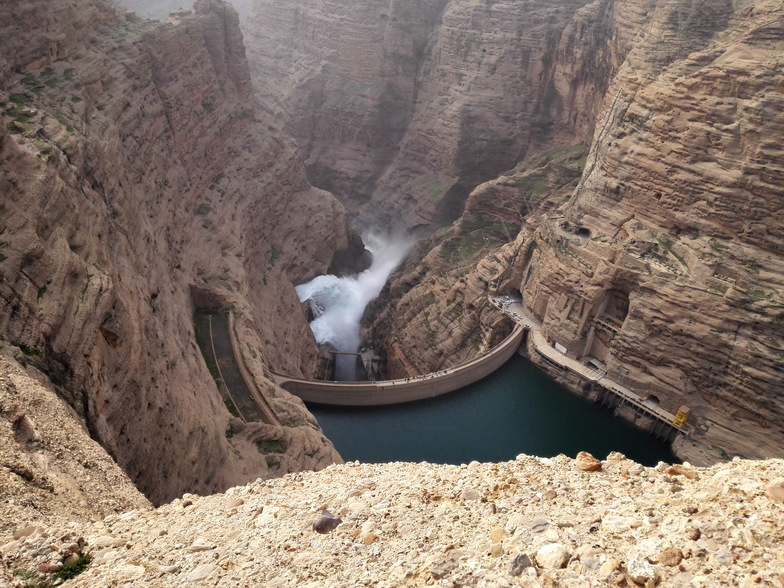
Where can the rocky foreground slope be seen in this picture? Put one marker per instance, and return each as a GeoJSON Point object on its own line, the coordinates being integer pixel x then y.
{"type": "Point", "coordinates": [531, 522]}
{"type": "Point", "coordinates": [50, 469]}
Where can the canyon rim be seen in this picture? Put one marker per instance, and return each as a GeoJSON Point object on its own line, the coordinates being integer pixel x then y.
{"type": "Point", "coordinates": [615, 163]}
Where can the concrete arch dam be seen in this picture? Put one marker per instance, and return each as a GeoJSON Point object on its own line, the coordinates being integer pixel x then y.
{"type": "Point", "coordinates": [406, 389]}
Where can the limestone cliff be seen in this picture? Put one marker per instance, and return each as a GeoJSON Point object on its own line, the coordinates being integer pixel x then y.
{"type": "Point", "coordinates": [133, 167]}
{"type": "Point", "coordinates": [435, 312]}
{"type": "Point", "coordinates": [666, 262]}
{"type": "Point", "coordinates": [402, 108]}
{"type": "Point", "coordinates": [160, 9]}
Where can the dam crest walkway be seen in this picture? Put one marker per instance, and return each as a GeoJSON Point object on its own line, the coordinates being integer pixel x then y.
{"type": "Point", "coordinates": [401, 390]}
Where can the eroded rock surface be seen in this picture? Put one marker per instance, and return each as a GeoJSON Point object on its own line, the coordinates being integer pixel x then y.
{"type": "Point", "coordinates": [134, 167]}
{"type": "Point", "coordinates": [530, 522]}
{"type": "Point", "coordinates": [402, 108]}
{"type": "Point", "coordinates": [50, 469]}
{"type": "Point", "coordinates": [666, 265]}
{"type": "Point", "coordinates": [435, 312]}
{"type": "Point", "coordinates": [665, 262]}
{"type": "Point", "coordinates": [161, 9]}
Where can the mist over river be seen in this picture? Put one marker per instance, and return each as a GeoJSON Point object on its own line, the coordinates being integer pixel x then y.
{"type": "Point", "coordinates": [338, 302]}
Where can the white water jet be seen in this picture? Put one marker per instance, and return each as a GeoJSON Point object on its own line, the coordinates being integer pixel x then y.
{"type": "Point", "coordinates": [340, 302]}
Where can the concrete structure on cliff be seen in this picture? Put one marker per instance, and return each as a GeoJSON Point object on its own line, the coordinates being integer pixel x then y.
{"type": "Point", "coordinates": [405, 389]}
{"type": "Point", "coordinates": [596, 385]}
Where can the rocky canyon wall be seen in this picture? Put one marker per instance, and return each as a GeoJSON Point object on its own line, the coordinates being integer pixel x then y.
{"type": "Point", "coordinates": [342, 77]}
{"type": "Point", "coordinates": [435, 312]}
{"type": "Point", "coordinates": [160, 9]}
{"type": "Point", "coordinates": [665, 261]}
{"type": "Point", "coordinates": [402, 108]}
{"type": "Point", "coordinates": [134, 167]}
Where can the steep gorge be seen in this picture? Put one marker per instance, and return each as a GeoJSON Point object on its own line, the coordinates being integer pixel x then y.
{"type": "Point", "coordinates": [643, 224]}
{"type": "Point", "coordinates": [401, 108]}
{"type": "Point", "coordinates": [665, 261]}
{"type": "Point", "coordinates": [633, 198]}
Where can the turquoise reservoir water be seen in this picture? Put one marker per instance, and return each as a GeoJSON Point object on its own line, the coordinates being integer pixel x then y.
{"type": "Point", "coordinates": [517, 409]}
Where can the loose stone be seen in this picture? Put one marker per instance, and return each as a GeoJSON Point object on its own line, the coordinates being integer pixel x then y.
{"type": "Point", "coordinates": [130, 571]}
{"type": "Point", "coordinates": [497, 534]}
{"type": "Point", "coordinates": [617, 579]}
{"type": "Point", "coordinates": [608, 567]}
{"type": "Point", "coordinates": [519, 564]}
{"type": "Point", "coordinates": [539, 525]}
{"type": "Point", "coordinates": [587, 462]}
{"type": "Point", "coordinates": [552, 556]}
{"type": "Point", "coordinates": [470, 494]}
{"type": "Point", "coordinates": [641, 571]}
{"type": "Point", "coordinates": [201, 573]}
{"type": "Point", "coordinates": [200, 545]}
{"type": "Point", "coordinates": [681, 470]}
{"type": "Point", "coordinates": [776, 491]}
{"type": "Point", "coordinates": [693, 533]}
{"type": "Point", "coordinates": [326, 522]}
{"type": "Point", "coordinates": [24, 532]}
{"type": "Point", "coordinates": [670, 556]}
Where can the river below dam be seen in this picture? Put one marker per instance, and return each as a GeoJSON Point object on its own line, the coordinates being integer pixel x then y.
{"type": "Point", "coordinates": [517, 409]}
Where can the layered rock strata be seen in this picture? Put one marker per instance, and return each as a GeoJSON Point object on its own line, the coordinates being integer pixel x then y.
{"type": "Point", "coordinates": [134, 167]}
{"type": "Point", "coordinates": [402, 108]}
{"type": "Point", "coordinates": [667, 263]}
{"type": "Point", "coordinates": [665, 266]}
{"type": "Point", "coordinates": [161, 9]}
{"type": "Point", "coordinates": [435, 313]}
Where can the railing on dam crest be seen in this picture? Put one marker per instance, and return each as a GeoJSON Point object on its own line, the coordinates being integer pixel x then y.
{"type": "Point", "coordinates": [405, 389]}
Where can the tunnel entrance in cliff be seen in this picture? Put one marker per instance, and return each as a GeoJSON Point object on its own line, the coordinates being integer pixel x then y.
{"type": "Point", "coordinates": [584, 234]}
{"type": "Point", "coordinates": [613, 308]}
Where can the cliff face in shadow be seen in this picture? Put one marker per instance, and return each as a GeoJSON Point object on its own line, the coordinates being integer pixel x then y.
{"type": "Point", "coordinates": [135, 167]}
{"type": "Point", "coordinates": [401, 108]}
{"type": "Point", "coordinates": [663, 256]}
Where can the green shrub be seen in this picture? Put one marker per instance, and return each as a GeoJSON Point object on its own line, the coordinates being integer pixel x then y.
{"type": "Point", "coordinates": [272, 445]}
{"type": "Point", "coordinates": [30, 351]}
{"type": "Point", "coordinates": [19, 99]}
{"type": "Point", "coordinates": [71, 570]}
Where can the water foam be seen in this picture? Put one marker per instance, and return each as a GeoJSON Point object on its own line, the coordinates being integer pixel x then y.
{"type": "Point", "coordinates": [340, 302]}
